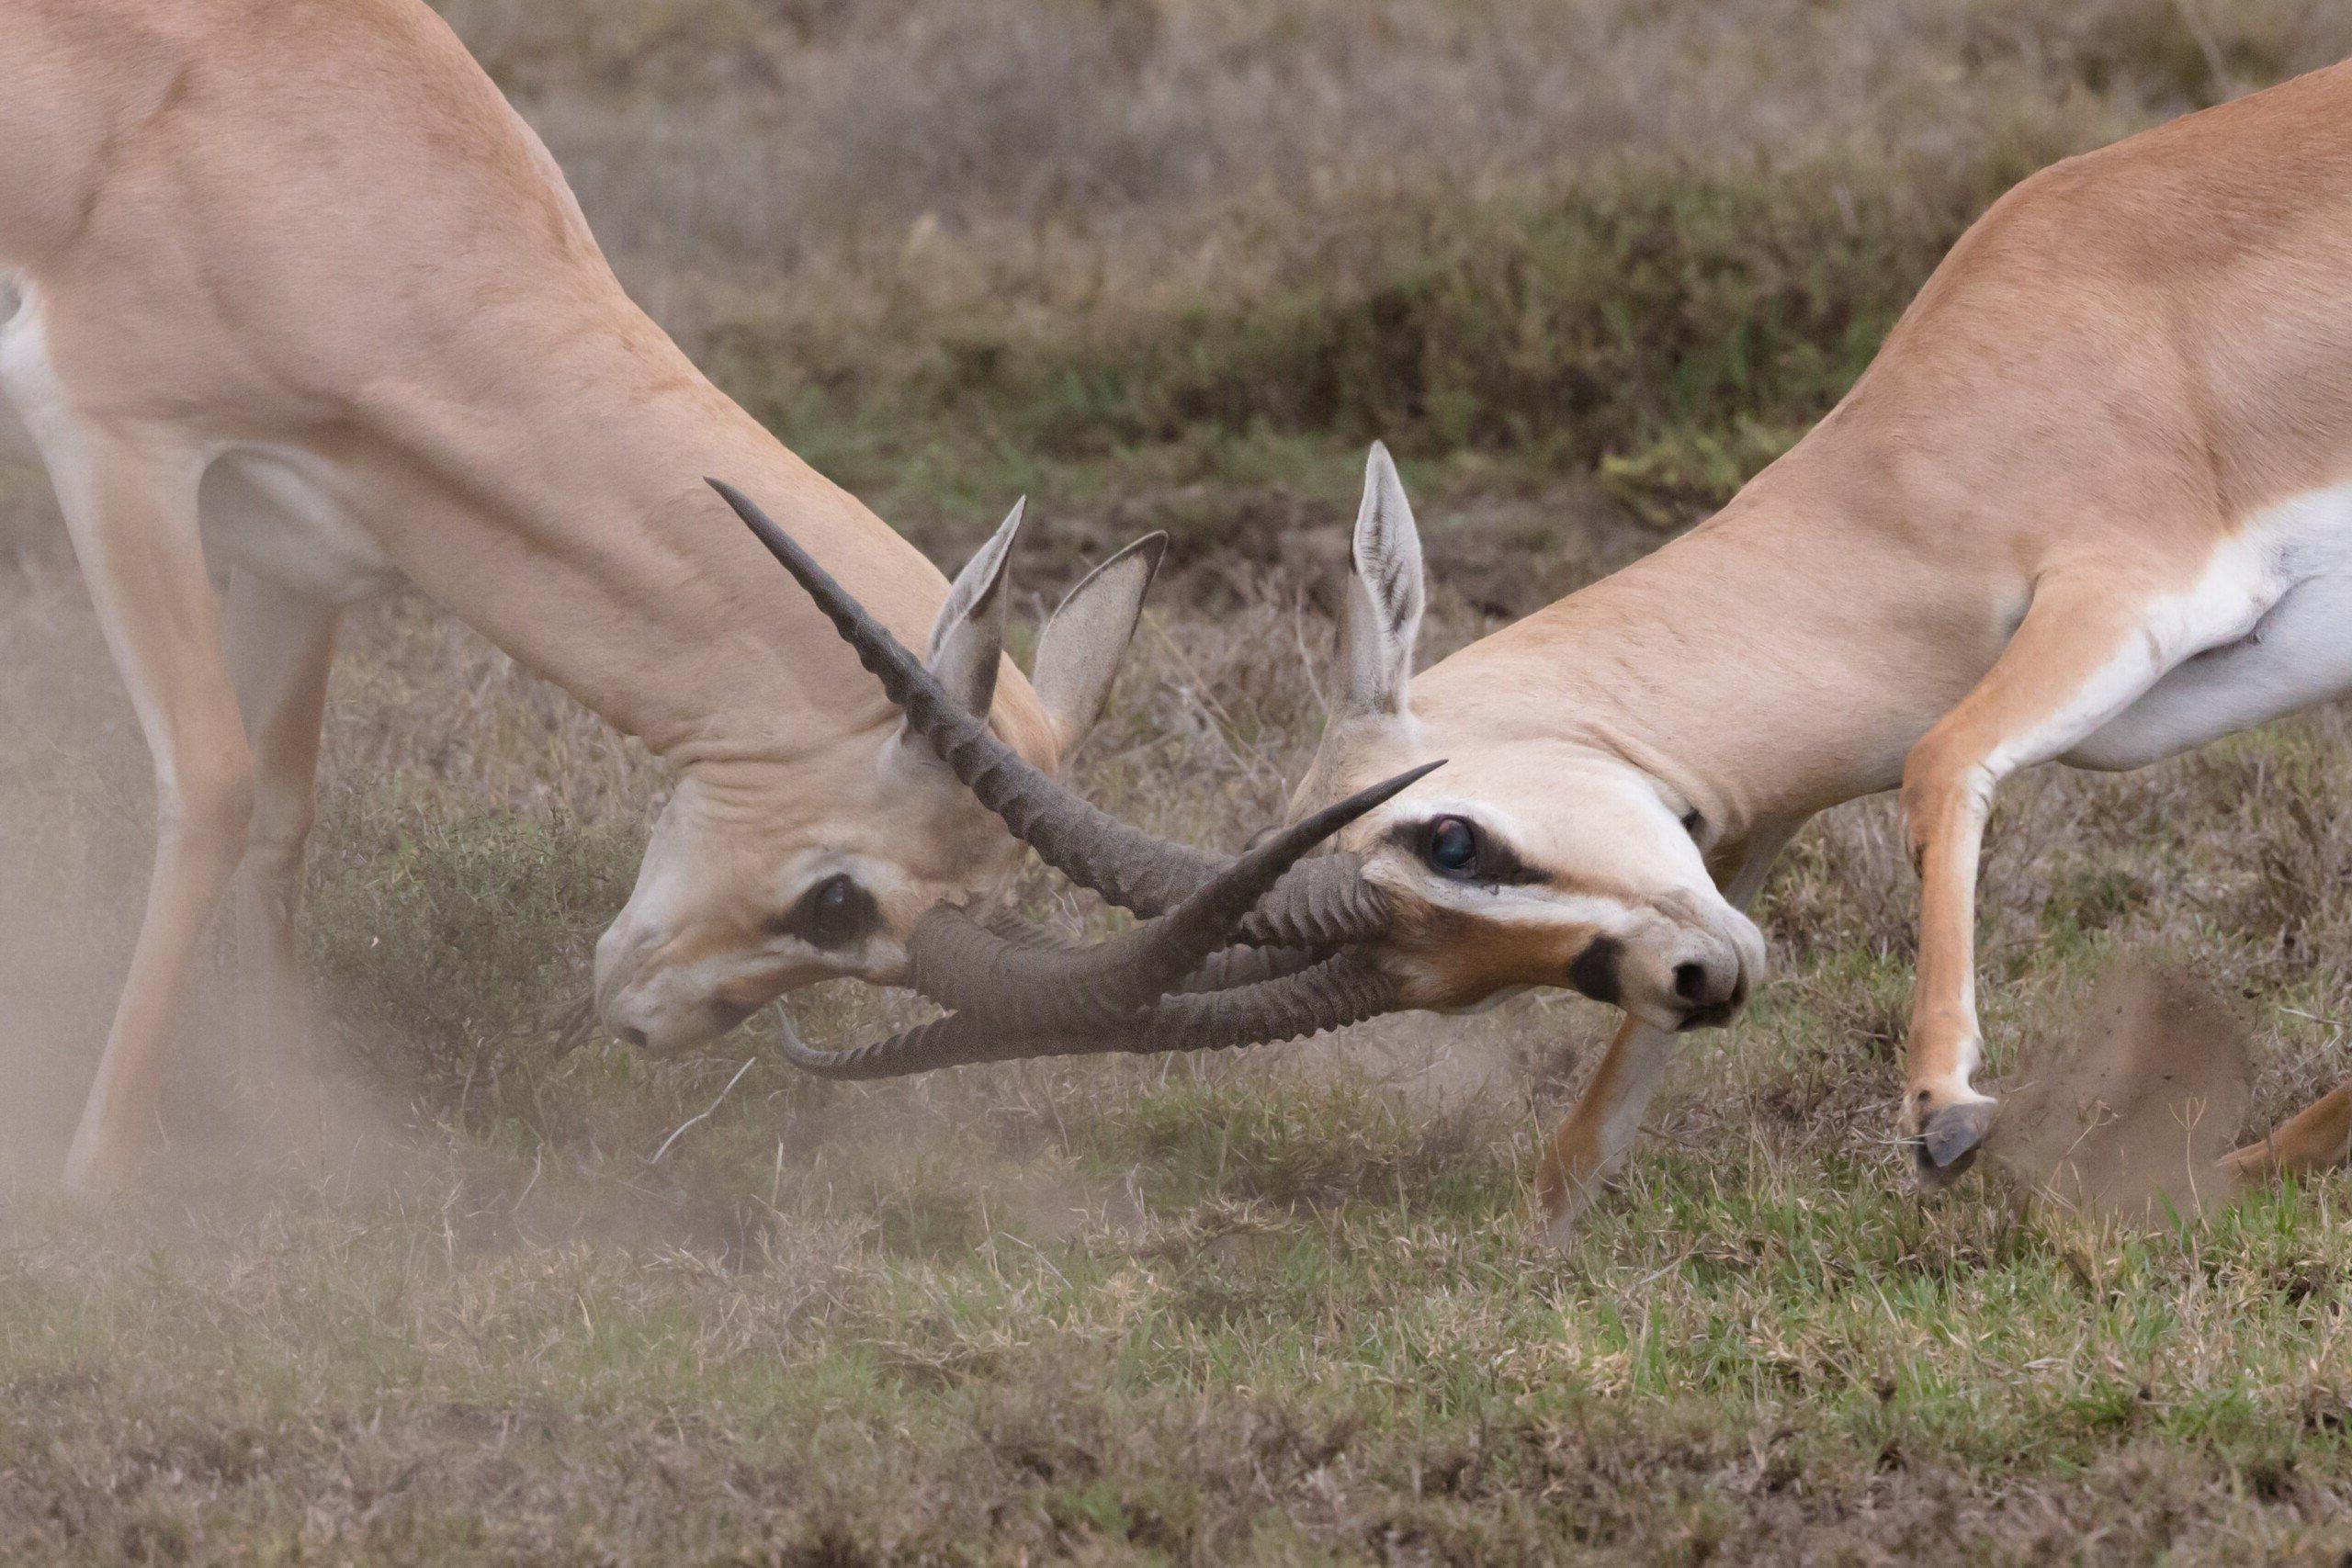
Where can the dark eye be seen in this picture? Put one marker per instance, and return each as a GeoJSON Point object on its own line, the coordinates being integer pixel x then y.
{"type": "Point", "coordinates": [1453, 846]}
{"type": "Point", "coordinates": [834, 913]}
{"type": "Point", "coordinates": [1693, 824]}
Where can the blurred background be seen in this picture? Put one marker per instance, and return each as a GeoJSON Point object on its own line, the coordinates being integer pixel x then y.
{"type": "Point", "coordinates": [1111, 251]}
{"type": "Point", "coordinates": [1157, 264]}
{"type": "Point", "coordinates": [1173, 263]}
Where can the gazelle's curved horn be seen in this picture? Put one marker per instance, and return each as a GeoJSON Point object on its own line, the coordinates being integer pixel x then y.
{"type": "Point", "coordinates": [1321, 903]}
{"type": "Point", "coordinates": [1029, 987]}
{"type": "Point", "coordinates": [1328, 994]}
{"type": "Point", "coordinates": [1245, 966]}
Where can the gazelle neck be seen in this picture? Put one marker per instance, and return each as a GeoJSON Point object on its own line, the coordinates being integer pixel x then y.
{"type": "Point", "coordinates": [1745, 664]}
{"type": "Point", "coordinates": [596, 555]}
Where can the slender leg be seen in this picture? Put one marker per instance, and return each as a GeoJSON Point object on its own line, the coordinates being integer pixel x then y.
{"type": "Point", "coordinates": [2316, 1138]}
{"type": "Point", "coordinates": [1592, 1144]}
{"type": "Point", "coordinates": [131, 506]}
{"type": "Point", "coordinates": [2082, 655]}
{"type": "Point", "coordinates": [281, 645]}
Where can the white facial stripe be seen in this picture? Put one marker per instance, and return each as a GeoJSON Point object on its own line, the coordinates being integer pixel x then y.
{"type": "Point", "coordinates": [1534, 903]}
{"type": "Point", "coordinates": [1426, 809]}
{"type": "Point", "coordinates": [1421, 812]}
{"type": "Point", "coordinates": [692, 984]}
{"type": "Point", "coordinates": [1530, 904]}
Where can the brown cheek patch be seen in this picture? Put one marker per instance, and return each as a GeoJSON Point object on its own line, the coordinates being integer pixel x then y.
{"type": "Point", "coordinates": [724, 939]}
{"type": "Point", "coordinates": [748, 996]}
{"type": "Point", "coordinates": [1458, 960]}
{"type": "Point", "coordinates": [906, 905]}
{"type": "Point", "coordinates": [707, 940]}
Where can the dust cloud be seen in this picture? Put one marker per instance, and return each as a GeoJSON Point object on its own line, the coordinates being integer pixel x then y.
{"type": "Point", "coordinates": [2129, 1121]}
{"type": "Point", "coordinates": [76, 838]}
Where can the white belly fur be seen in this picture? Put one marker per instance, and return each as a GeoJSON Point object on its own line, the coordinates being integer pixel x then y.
{"type": "Point", "coordinates": [272, 510]}
{"type": "Point", "coordinates": [2298, 653]}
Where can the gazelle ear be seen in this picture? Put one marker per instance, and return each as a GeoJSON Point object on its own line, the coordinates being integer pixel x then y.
{"type": "Point", "coordinates": [1382, 623]}
{"type": "Point", "coordinates": [967, 640]}
{"type": "Point", "coordinates": [1079, 654]}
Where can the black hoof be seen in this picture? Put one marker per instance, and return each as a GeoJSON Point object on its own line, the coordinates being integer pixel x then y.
{"type": "Point", "coordinates": [1947, 1145]}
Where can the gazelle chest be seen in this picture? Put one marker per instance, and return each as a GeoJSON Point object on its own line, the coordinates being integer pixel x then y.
{"type": "Point", "coordinates": [275, 509]}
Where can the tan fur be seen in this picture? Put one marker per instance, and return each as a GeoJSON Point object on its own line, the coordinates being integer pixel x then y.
{"type": "Point", "coordinates": [2316, 1138]}
{"type": "Point", "coordinates": [315, 226]}
{"type": "Point", "coordinates": [1960, 572]}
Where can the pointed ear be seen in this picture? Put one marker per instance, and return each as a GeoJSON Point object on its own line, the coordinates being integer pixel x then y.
{"type": "Point", "coordinates": [967, 640]}
{"type": "Point", "coordinates": [1078, 656]}
{"type": "Point", "coordinates": [1382, 623]}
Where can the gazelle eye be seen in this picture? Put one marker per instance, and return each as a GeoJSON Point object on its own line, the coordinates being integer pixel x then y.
{"type": "Point", "coordinates": [834, 913]}
{"type": "Point", "coordinates": [1693, 824]}
{"type": "Point", "coordinates": [1453, 846]}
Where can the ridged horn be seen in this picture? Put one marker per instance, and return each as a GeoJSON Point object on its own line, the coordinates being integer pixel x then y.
{"type": "Point", "coordinates": [1330, 994]}
{"type": "Point", "coordinates": [1319, 904]}
{"type": "Point", "coordinates": [1028, 987]}
{"type": "Point", "coordinates": [1130, 868]}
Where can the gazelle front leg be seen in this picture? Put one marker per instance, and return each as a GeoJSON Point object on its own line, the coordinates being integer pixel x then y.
{"type": "Point", "coordinates": [131, 506]}
{"type": "Point", "coordinates": [2083, 654]}
{"type": "Point", "coordinates": [1592, 1144]}
{"type": "Point", "coordinates": [281, 646]}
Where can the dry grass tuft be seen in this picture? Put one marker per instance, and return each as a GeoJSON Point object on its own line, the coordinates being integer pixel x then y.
{"type": "Point", "coordinates": [1166, 262]}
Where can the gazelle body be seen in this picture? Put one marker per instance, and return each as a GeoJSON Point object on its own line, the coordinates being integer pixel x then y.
{"type": "Point", "coordinates": [307, 310]}
{"type": "Point", "coordinates": [2091, 502]}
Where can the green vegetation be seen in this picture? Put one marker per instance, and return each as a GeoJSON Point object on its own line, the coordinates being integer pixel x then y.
{"type": "Point", "coordinates": [1172, 261]}
{"type": "Point", "coordinates": [1279, 1307]}
{"type": "Point", "coordinates": [1677, 336]}
{"type": "Point", "coordinates": [1097, 247]}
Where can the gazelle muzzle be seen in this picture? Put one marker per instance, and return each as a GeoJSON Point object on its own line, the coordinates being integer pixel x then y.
{"type": "Point", "coordinates": [1231, 951]}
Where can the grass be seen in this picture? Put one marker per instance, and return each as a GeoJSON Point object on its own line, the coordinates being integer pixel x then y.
{"type": "Point", "coordinates": [1756, 1356]}
{"type": "Point", "coordinates": [1170, 263]}
{"type": "Point", "coordinates": [1100, 247]}
{"type": "Point", "coordinates": [1278, 1307]}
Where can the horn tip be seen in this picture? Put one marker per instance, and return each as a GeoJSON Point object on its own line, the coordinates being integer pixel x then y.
{"type": "Point", "coordinates": [1332, 818]}
{"type": "Point", "coordinates": [752, 515]}
{"type": "Point", "coordinates": [1389, 789]}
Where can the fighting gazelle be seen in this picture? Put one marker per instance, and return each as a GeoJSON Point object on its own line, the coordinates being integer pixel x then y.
{"type": "Point", "coordinates": [2092, 502]}
{"type": "Point", "coordinates": [306, 308]}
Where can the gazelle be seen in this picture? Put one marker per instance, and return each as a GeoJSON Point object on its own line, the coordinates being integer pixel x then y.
{"type": "Point", "coordinates": [305, 306]}
{"type": "Point", "coordinates": [2092, 502]}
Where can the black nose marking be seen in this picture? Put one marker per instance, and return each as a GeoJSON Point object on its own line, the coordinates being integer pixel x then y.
{"type": "Point", "coordinates": [1689, 981]}
{"type": "Point", "coordinates": [1595, 971]}
{"type": "Point", "coordinates": [634, 1038]}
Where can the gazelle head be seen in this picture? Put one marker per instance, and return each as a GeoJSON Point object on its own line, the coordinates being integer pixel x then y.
{"type": "Point", "coordinates": [1231, 951]}
{"type": "Point", "coordinates": [761, 877]}
{"type": "Point", "coordinates": [1536, 857]}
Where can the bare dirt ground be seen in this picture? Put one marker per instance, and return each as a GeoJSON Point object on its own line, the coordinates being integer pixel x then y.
{"type": "Point", "coordinates": [1145, 261]}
